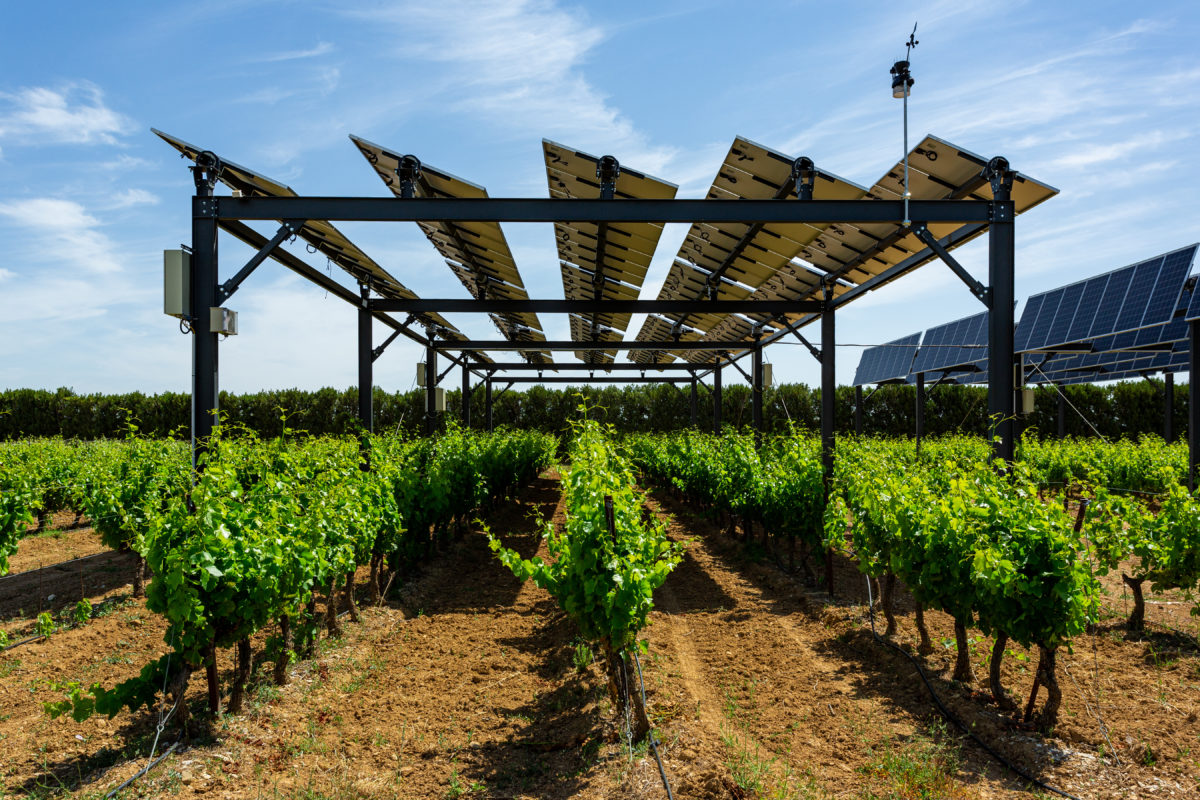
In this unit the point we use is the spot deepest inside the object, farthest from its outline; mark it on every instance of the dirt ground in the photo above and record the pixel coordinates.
(468, 684)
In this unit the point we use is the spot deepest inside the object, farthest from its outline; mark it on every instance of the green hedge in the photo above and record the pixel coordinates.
(1119, 410)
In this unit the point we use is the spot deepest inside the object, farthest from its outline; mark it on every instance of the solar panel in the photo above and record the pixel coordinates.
(321, 235)
(887, 362)
(627, 247)
(959, 344)
(476, 252)
(1142, 295)
(938, 171)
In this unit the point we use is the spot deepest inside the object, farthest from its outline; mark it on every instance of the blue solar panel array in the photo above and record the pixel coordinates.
(961, 344)
(887, 362)
(1128, 299)
(1134, 320)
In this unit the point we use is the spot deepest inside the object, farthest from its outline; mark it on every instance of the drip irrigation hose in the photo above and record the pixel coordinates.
(950, 716)
(142, 771)
(653, 742)
(24, 641)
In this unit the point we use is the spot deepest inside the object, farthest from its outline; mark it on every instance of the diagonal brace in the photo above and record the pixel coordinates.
(981, 292)
(745, 374)
(500, 393)
(811, 348)
(288, 229)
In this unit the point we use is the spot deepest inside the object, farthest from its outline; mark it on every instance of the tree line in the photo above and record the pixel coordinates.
(1117, 410)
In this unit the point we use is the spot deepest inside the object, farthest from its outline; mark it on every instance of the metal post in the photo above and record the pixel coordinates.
(858, 409)
(693, 405)
(365, 374)
(1001, 255)
(716, 395)
(1169, 406)
(1193, 402)
(920, 409)
(205, 386)
(756, 391)
(487, 401)
(828, 394)
(828, 407)
(430, 390)
(1062, 411)
(466, 396)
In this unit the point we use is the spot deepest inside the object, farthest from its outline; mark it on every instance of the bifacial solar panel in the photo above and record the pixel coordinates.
(605, 260)
(1132, 298)
(321, 235)
(887, 362)
(955, 346)
(476, 252)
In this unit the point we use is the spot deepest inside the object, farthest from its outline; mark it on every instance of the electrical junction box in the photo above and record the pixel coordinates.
(222, 320)
(177, 283)
(767, 376)
(421, 374)
(1027, 401)
(439, 399)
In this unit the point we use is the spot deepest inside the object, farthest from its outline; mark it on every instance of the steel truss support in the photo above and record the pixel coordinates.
(1001, 258)
(828, 392)
(366, 361)
(756, 390)
(205, 384)
(286, 230)
(716, 400)
(693, 403)
(920, 409)
(431, 380)
(487, 401)
(466, 397)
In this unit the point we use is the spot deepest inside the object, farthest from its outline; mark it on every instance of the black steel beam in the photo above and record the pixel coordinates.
(716, 400)
(430, 389)
(756, 391)
(366, 358)
(466, 398)
(466, 305)
(858, 409)
(1062, 411)
(583, 380)
(693, 404)
(205, 386)
(1193, 401)
(568, 345)
(529, 209)
(1169, 407)
(1001, 283)
(487, 401)
(559, 366)
(920, 409)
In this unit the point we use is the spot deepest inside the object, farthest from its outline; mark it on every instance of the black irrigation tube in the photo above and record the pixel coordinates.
(142, 771)
(653, 742)
(950, 716)
(25, 641)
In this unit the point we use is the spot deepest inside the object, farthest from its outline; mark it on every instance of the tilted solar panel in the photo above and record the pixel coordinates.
(887, 362)
(476, 252)
(321, 235)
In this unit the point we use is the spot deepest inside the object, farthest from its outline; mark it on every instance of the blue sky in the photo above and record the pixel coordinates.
(1100, 99)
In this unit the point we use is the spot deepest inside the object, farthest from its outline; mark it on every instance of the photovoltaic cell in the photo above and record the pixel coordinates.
(1025, 326)
(1088, 306)
(886, 362)
(1045, 318)
(1110, 304)
(1167, 290)
(1141, 288)
(1067, 309)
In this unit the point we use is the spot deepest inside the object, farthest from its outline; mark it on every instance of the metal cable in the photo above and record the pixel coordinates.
(950, 716)
(653, 741)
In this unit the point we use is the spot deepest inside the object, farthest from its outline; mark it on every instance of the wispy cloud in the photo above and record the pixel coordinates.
(73, 114)
(320, 49)
(520, 65)
(6, 274)
(65, 234)
(133, 197)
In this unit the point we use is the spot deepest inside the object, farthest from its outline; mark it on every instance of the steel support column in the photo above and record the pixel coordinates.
(828, 395)
(1169, 406)
(430, 390)
(716, 396)
(1001, 257)
(466, 397)
(858, 403)
(1193, 402)
(366, 378)
(756, 391)
(487, 402)
(205, 384)
(920, 409)
(693, 403)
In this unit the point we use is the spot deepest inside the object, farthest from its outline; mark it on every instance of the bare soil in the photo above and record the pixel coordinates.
(466, 685)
